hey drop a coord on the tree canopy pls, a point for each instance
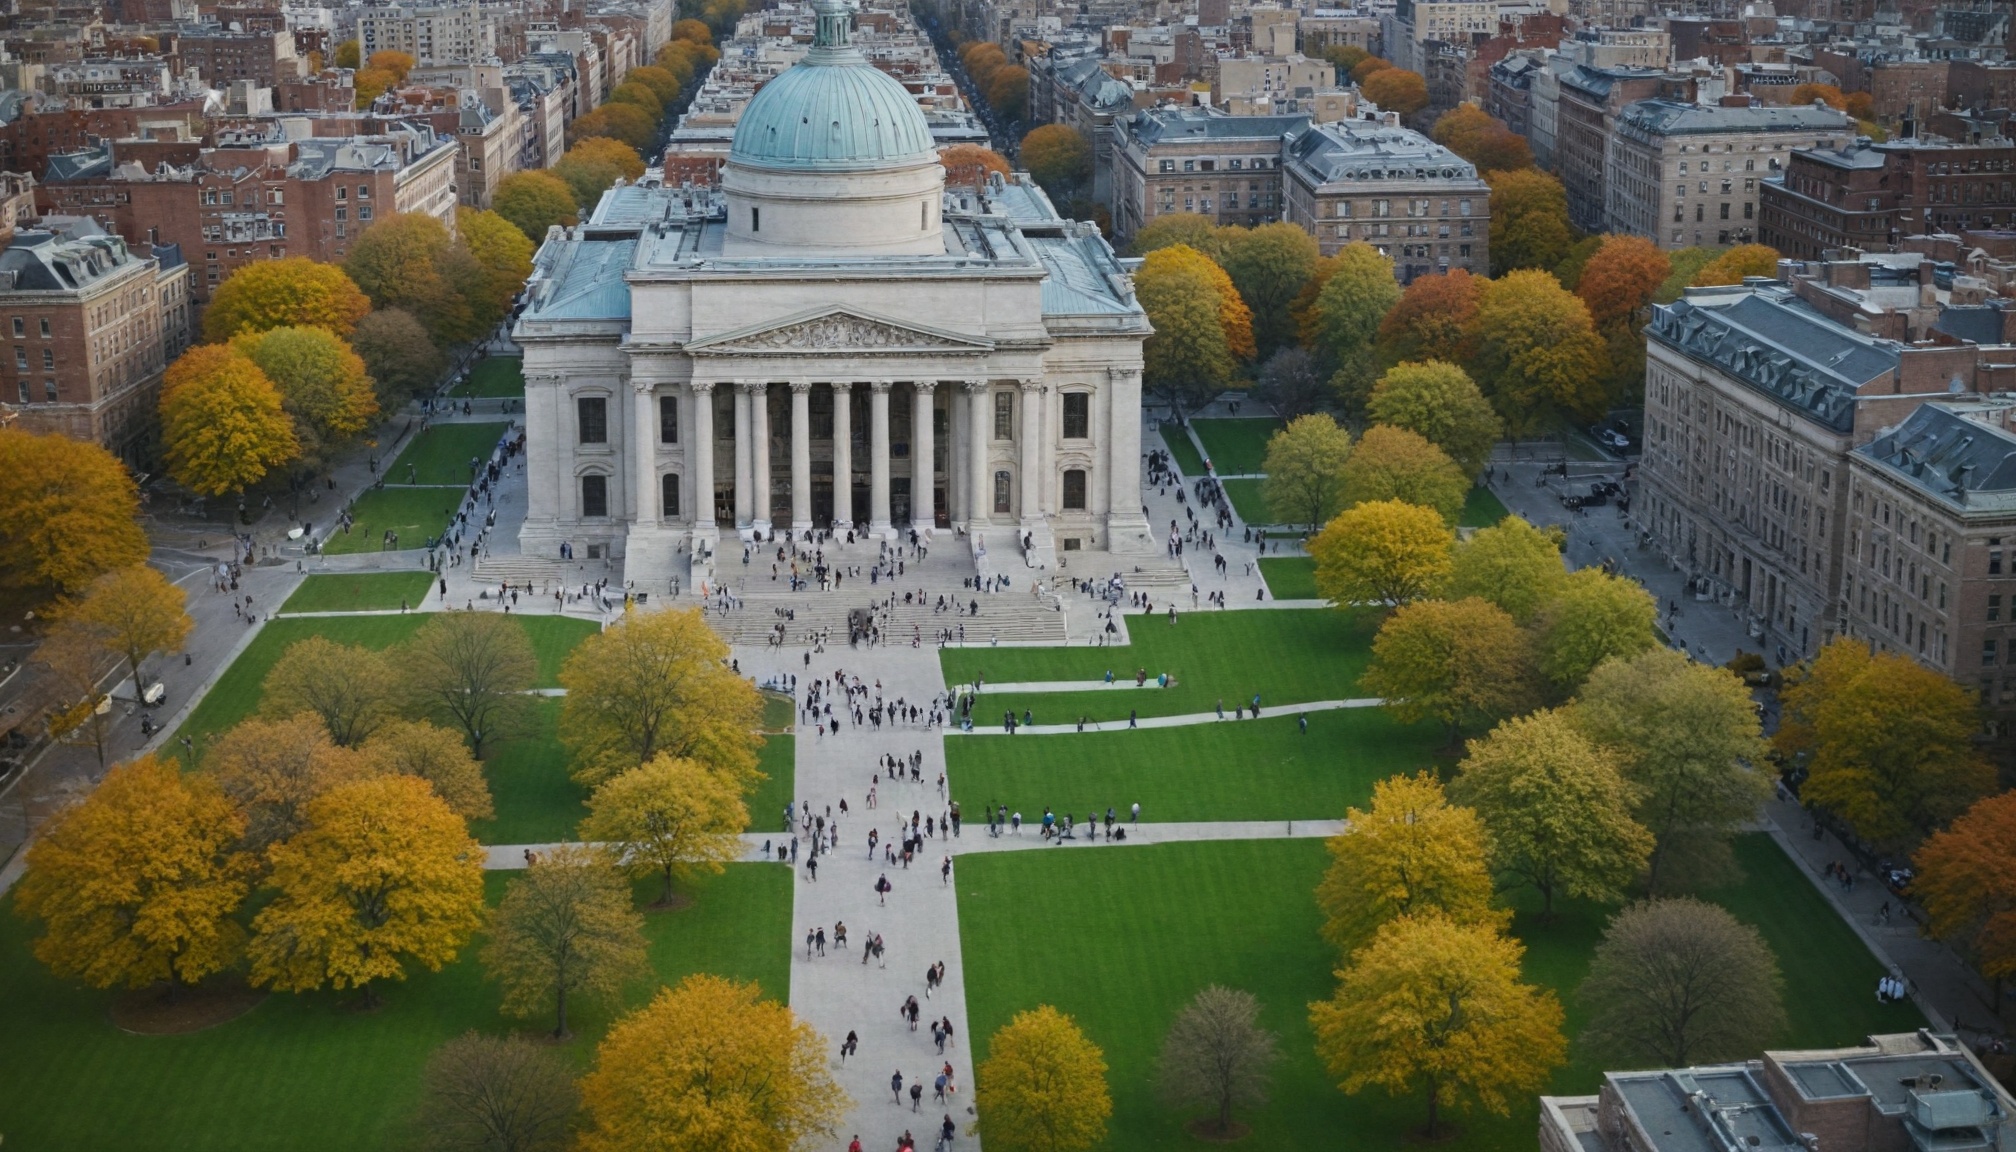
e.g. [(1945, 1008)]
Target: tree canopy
[(1538, 351), (592, 166), (1890, 744), (291, 292), (968, 165), (1188, 360), (1679, 982), (1556, 808), (536, 201), (399, 355), (1482, 139), (324, 387), (1383, 552), (667, 818), (1593, 617), (1732, 266), (496, 1094), (1042, 1087), (1354, 301), (68, 511), (1685, 735), (1462, 662), (1967, 883), (134, 611), (1436, 1006), (1305, 469), (1269, 265), (565, 927), (1433, 318), (223, 424), (470, 670), (1396, 464), (1411, 853), (351, 689), (1439, 401), (1396, 90), (1511, 564), (1529, 221), (272, 769), (138, 882), (1620, 279), (654, 683), (709, 1064), (1059, 157), (381, 873), (1216, 1053)]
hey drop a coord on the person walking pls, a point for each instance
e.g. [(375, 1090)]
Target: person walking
[(1137, 812), (808, 943), (917, 1096), (945, 872), (822, 941), (896, 1086), (882, 887), (945, 1025), (848, 1046), (812, 868)]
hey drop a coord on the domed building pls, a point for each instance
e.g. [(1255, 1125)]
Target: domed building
[(830, 339)]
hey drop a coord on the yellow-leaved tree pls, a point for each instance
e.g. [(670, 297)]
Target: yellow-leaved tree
[(67, 512), (1043, 1087), (1556, 809), (137, 883), (1397, 464), (710, 1065), (1435, 1006), (323, 384), (668, 817), (1593, 617), (1411, 853), (1891, 744), (658, 682), (1463, 662), (436, 755), (1382, 552), (294, 292), (535, 201), (223, 426), (382, 872), (1512, 564), (134, 611)]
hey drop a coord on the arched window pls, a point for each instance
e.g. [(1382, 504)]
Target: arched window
[(1074, 490), (1003, 485), (594, 495)]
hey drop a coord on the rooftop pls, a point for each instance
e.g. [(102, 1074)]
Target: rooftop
[(1967, 463), (1167, 125), (1764, 336), (1673, 118), (74, 255), (1374, 150)]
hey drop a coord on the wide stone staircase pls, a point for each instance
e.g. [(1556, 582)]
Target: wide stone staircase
[(1012, 617)]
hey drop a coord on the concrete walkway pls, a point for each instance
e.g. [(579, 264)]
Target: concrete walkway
[(1269, 710)]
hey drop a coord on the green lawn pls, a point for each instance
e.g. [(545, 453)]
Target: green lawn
[(416, 514), (766, 804), (537, 802), (308, 1073), (236, 693), (1185, 453), (1236, 446), (1290, 577), (440, 455), (1482, 509), (494, 376), (359, 591), (1248, 500), (1253, 770), (1173, 918), (1287, 656)]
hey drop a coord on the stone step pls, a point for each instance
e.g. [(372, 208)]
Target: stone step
[(542, 570), (1011, 617)]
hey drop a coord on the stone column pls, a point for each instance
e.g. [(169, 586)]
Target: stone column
[(743, 483), (1126, 526), (644, 445), (1031, 437), (801, 456), (878, 458), (923, 462), (979, 492), (843, 455), (759, 456), (700, 461)]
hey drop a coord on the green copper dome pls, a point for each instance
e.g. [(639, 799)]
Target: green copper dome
[(832, 110)]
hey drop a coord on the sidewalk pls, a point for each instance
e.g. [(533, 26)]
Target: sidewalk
[(1181, 721)]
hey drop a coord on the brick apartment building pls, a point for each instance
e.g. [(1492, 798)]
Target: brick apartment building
[(1688, 174), (89, 325), (1867, 195), (236, 205)]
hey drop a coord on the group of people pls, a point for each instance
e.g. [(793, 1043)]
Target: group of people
[(1059, 829)]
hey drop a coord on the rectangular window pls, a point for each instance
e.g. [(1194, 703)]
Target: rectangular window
[(1074, 490), (48, 359), (668, 419), (1004, 416), (595, 495), (1003, 485), (592, 415), (21, 359), (45, 327), (20, 328), (1077, 415), (669, 495), (1994, 608), (1987, 653), (22, 388)]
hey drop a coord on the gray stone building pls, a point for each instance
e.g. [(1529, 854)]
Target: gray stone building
[(1417, 202), (1688, 174), (1198, 160)]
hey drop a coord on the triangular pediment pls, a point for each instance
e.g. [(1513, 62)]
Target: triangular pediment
[(822, 331)]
